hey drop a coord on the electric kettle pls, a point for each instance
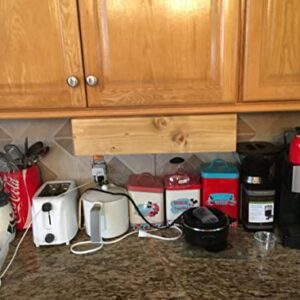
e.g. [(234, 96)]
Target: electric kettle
[(105, 215)]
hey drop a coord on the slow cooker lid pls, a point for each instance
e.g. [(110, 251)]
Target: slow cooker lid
[(192, 220)]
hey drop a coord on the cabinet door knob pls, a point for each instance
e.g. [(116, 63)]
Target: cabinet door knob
[(72, 81), (91, 80)]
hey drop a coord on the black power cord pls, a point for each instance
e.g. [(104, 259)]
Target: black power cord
[(136, 208)]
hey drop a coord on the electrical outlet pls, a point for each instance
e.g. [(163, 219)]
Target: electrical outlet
[(99, 170)]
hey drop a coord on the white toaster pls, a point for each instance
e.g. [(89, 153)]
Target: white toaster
[(54, 213)]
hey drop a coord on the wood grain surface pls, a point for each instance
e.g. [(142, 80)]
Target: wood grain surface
[(162, 52), (272, 56), (40, 48), (161, 134)]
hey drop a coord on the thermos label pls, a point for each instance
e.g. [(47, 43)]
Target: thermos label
[(262, 212)]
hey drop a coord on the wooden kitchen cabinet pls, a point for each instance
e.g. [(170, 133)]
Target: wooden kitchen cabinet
[(272, 50), (40, 48), (160, 53), (172, 134), (148, 57)]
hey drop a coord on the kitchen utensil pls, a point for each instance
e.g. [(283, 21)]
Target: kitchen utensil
[(54, 213), (26, 146), (35, 152), (4, 164), (210, 235), (15, 155), (265, 242), (35, 147), (105, 215)]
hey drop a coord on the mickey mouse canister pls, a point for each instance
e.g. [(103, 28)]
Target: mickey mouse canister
[(182, 193), (147, 191)]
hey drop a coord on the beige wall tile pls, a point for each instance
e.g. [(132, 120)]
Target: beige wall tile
[(244, 131), (163, 165), (66, 144), (118, 172), (15, 128), (61, 163), (64, 130), (270, 126), (139, 163)]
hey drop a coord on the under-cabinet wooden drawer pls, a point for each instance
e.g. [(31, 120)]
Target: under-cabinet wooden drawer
[(172, 134)]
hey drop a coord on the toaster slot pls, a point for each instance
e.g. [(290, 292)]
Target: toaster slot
[(54, 189)]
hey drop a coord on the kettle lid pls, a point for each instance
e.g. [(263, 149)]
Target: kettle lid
[(102, 196), (3, 199)]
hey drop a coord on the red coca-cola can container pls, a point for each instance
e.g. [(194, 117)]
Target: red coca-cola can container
[(21, 186)]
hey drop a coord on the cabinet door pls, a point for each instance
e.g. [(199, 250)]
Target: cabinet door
[(160, 52), (40, 48), (272, 56)]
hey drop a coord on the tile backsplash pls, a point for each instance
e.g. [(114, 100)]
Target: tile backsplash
[(61, 163)]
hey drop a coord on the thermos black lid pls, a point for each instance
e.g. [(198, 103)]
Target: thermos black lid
[(255, 165), (3, 199)]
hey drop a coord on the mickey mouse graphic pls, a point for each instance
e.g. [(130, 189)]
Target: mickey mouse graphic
[(154, 211), (193, 202), (150, 209)]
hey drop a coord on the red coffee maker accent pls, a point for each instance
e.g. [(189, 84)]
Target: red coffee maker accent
[(294, 151)]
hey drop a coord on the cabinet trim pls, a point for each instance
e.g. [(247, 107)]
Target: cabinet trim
[(175, 110)]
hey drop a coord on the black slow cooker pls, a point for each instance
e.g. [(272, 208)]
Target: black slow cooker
[(211, 236)]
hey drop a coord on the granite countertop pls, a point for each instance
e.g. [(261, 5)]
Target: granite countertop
[(152, 269)]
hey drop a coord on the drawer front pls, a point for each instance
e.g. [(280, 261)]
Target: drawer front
[(172, 134)]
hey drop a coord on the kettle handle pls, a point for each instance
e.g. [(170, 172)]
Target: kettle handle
[(95, 222)]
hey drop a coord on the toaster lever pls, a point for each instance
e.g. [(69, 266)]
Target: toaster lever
[(46, 207)]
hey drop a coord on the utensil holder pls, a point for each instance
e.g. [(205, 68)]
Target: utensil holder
[(21, 186)]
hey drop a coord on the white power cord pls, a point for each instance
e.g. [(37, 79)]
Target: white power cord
[(15, 254), (141, 233), (88, 251), (146, 234), (99, 245), (29, 226)]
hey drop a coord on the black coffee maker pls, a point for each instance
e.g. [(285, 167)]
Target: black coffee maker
[(257, 201), (289, 201)]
